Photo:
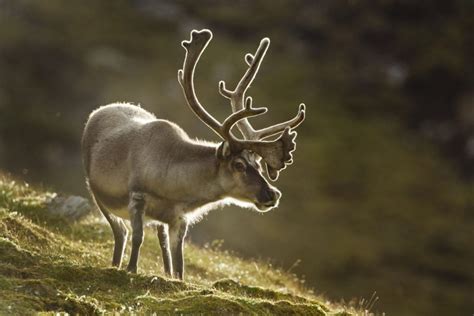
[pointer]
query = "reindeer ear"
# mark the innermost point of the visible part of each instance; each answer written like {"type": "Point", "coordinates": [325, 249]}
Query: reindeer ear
{"type": "Point", "coordinates": [223, 151]}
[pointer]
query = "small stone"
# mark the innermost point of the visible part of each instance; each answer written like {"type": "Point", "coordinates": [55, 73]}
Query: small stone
{"type": "Point", "coordinates": [72, 207]}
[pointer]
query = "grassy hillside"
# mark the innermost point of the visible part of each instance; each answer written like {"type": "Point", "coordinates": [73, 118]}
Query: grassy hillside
{"type": "Point", "coordinates": [49, 264]}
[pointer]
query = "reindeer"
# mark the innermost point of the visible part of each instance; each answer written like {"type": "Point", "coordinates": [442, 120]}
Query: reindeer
{"type": "Point", "coordinates": [138, 166]}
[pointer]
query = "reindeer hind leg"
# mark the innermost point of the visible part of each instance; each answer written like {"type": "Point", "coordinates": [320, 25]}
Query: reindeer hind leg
{"type": "Point", "coordinates": [119, 229]}
{"type": "Point", "coordinates": [136, 209]}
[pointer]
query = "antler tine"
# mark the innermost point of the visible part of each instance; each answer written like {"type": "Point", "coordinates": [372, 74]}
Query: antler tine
{"type": "Point", "coordinates": [242, 114]}
{"type": "Point", "coordinates": [247, 79]}
{"type": "Point", "coordinates": [278, 128]}
{"type": "Point", "coordinates": [237, 96]}
{"type": "Point", "coordinates": [194, 49]}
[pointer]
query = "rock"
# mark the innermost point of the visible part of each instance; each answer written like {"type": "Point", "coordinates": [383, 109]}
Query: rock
{"type": "Point", "coordinates": [72, 207]}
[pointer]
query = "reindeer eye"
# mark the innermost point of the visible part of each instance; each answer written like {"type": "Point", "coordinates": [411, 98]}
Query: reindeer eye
{"type": "Point", "coordinates": [240, 166]}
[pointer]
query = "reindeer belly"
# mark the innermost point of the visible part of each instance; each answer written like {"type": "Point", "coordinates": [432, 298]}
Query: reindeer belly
{"type": "Point", "coordinates": [121, 212]}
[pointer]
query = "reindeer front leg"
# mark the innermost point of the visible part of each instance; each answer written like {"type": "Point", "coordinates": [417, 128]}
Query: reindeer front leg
{"type": "Point", "coordinates": [136, 208]}
{"type": "Point", "coordinates": [177, 233]}
{"type": "Point", "coordinates": [163, 238]}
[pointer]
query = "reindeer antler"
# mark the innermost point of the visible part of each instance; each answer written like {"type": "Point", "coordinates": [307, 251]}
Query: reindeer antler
{"type": "Point", "coordinates": [237, 97]}
{"type": "Point", "coordinates": [194, 48]}
{"type": "Point", "coordinates": [277, 154]}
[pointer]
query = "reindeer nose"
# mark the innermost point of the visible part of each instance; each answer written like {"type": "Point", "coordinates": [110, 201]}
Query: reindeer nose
{"type": "Point", "coordinates": [267, 199]}
{"type": "Point", "coordinates": [274, 195]}
{"type": "Point", "coordinates": [270, 195]}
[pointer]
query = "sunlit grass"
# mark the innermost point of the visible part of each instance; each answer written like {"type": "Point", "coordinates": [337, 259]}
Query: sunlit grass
{"type": "Point", "coordinates": [49, 264]}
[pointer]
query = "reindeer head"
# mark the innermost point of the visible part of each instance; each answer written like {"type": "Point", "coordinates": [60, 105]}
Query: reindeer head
{"type": "Point", "coordinates": [240, 174]}
{"type": "Point", "coordinates": [240, 157]}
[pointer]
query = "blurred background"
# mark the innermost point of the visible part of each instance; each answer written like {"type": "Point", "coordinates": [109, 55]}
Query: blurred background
{"type": "Point", "coordinates": [380, 197]}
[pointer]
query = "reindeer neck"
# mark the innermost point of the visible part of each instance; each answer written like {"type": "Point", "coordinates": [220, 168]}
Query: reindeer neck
{"type": "Point", "coordinates": [203, 177]}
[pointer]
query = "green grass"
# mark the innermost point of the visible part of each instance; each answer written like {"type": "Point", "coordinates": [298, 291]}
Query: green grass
{"type": "Point", "coordinates": [50, 265]}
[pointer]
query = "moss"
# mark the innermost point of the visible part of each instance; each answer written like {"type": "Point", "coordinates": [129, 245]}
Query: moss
{"type": "Point", "coordinates": [212, 304]}
{"type": "Point", "coordinates": [46, 268]}
{"type": "Point", "coordinates": [12, 254]}
{"type": "Point", "coordinates": [225, 304]}
{"type": "Point", "coordinates": [236, 288]}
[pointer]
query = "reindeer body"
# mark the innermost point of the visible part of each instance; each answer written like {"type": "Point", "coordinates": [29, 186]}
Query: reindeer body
{"type": "Point", "coordinates": [127, 149]}
{"type": "Point", "coordinates": [138, 166]}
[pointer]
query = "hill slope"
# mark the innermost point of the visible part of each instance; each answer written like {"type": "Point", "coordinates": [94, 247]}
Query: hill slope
{"type": "Point", "coordinates": [49, 264]}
